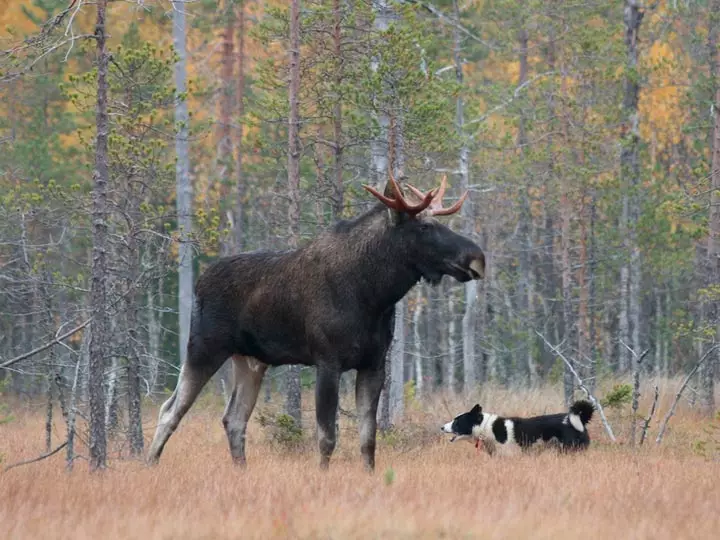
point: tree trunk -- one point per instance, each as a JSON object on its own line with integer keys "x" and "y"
{"x": 238, "y": 221}
{"x": 293, "y": 398}
{"x": 379, "y": 146}
{"x": 469, "y": 316}
{"x": 397, "y": 361}
{"x": 226, "y": 97}
{"x": 417, "y": 342}
{"x": 135, "y": 434}
{"x": 525, "y": 284}
{"x": 154, "y": 328}
{"x": 339, "y": 191}
{"x": 568, "y": 381}
{"x": 452, "y": 379}
{"x": 99, "y": 272}
{"x": 584, "y": 291}
{"x": 630, "y": 170}
{"x": 592, "y": 371}
{"x": 707, "y": 372}
{"x": 183, "y": 186}
{"x": 394, "y": 390}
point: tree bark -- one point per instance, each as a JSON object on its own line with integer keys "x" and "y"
{"x": 134, "y": 400}
{"x": 293, "y": 397}
{"x": 630, "y": 172}
{"x": 225, "y": 145}
{"x": 526, "y": 275}
{"x": 339, "y": 190}
{"x": 100, "y": 325}
{"x": 592, "y": 328}
{"x": 707, "y": 371}
{"x": 238, "y": 221}
{"x": 183, "y": 186}
{"x": 417, "y": 342}
{"x": 468, "y": 216}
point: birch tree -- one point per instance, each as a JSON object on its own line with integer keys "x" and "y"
{"x": 183, "y": 186}
{"x": 293, "y": 390}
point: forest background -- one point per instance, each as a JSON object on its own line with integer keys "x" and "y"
{"x": 588, "y": 136}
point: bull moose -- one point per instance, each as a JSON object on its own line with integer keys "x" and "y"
{"x": 329, "y": 304}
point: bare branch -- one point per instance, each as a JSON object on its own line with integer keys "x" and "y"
{"x": 40, "y": 349}
{"x": 680, "y": 391}
{"x": 581, "y": 384}
{"x": 650, "y": 416}
{"x": 39, "y": 458}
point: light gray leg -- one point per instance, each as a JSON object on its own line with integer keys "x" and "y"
{"x": 189, "y": 385}
{"x": 248, "y": 374}
{"x": 367, "y": 394}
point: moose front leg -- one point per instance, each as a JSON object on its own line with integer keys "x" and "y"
{"x": 327, "y": 390}
{"x": 368, "y": 386}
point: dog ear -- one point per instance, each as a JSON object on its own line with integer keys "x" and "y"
{"x": 476, "y": 410}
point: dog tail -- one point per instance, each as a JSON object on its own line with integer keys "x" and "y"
{"x": 580, "y": 414}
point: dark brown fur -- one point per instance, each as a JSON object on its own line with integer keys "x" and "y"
{"x": 329, "y": 304}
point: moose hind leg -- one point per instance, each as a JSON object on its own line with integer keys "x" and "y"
{"x": 190, "y": 383}
{"x": 327, "y": 390}
{"x": 368, "y": 386}
{"x": 248, "y": 374}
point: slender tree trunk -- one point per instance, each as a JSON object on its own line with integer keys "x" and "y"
{"x": 526, "y": 274}
{"x": 134, "y": 400}
{"x": 397, "y": 357}
{"x": 452, "y": 379}
{"x": 49, "y": 412}
{"x": 226, "y": 97}
{"x": 592, "y": 372}
{"x": 225, "y": 152}
{"x": 417, "y": 342}
{"x": 339, "y": 190}
{"x": 397, "y": 362}
{"x": 100, "y": 325}
{"x": 467, "y": 212}
{"x": 630, "y": 170}
{"x": 154, "y": 327}
{"x": 111, "y": 417}
{"x": 379, "y": 144}
{"x": 707, "y": 372}
{"x": 183, "y": 186}
{"x": 584, "y": 290}
{"x": 293, "y": 398}
{"x": 72, "y": 412}
{"x": 238, "y": 221}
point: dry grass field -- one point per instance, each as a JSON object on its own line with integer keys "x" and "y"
{"x": 424, "y": 487}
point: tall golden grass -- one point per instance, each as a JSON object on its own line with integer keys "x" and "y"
{"x": 423, "y": 487}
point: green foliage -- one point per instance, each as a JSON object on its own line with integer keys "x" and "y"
{"x": 6, "y": 415}
{"x": 281, "y": 429}
{"x": 389, "y": 476}
{"x": 708, "y": 445}
{"x": 618, "y": 397}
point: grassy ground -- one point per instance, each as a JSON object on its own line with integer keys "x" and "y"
{"x": 423, "y": 487}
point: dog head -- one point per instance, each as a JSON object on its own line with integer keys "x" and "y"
{"x": 462, "y": 425}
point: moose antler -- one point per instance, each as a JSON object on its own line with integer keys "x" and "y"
{"x": 399, "y": 203}
{"x": 436, "y": 206}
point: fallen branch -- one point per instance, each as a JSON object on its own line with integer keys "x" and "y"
{"x": 55, "y": 341}
{"x": 671, "y": 412}
{"x": 581, "y": 385}
{"x": 39, "y": 458}
{"x": 643, "y": 433}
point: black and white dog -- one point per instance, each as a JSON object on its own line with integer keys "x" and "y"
{"x": 495, "y": 432}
